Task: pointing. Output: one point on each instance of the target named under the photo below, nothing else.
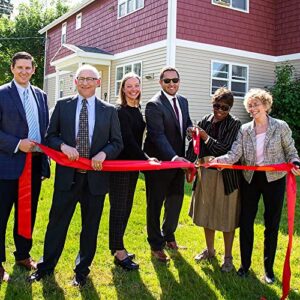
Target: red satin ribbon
(126, 165)
(24, 200)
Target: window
(61, 88)
(230, 75)
(126, 7)
(78, 21)
(64, 33)
(242, 5)
(122, 70)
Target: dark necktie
(175, 108)
(82, 141)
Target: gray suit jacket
(106, 138)
(279, 147)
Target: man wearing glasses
(167, 119)
(80, 126)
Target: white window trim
(64, 25)
(126, 14)
(77, 25)
(230, 6)
(230, 73)
(123, 66)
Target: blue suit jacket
(13, 127)
(164, 138)
(106, 137)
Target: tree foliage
(286, 97)
(21, 34)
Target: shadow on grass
(18, 288)
(231, 286)
(89, 291)
(129, 284)
(51, 289)
(190, 284)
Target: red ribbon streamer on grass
(24, 217)
(24, 199)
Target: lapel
(251, 132)
(99, 109)
(164, 100)
(183, 113)
(269, 132)
(17, 100)
(71, 118)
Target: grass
(181, 279)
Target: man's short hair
(166, 69)
(22, 55)
(87, 67)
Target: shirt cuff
(206, 141)
(174, 157)
(17, 148)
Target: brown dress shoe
(160, 255)
(27, 263)
(4, 277)
(173, 246)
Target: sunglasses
(218, 106)
(168, 80)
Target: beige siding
(195, 69)
(152, 63)
(104, 70)
(296, 64)
(68, 86)
(49, 88)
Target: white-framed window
(126, 7)
(135, 67)
(64, 33)
(78, 21)
(234, 76)
(242, 5)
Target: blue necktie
(33, 127)
(83, 141)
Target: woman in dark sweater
(215, 201)
(122, 184)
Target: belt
(81, 171)
(34, 154)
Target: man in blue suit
(167, 119)
(84, 126)
(23, 120)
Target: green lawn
(181, 279)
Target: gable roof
(71, 12)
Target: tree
(21, 34)
(286, 99)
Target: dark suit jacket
(106, 137)
(13, 127)
(164, 138)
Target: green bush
(286, 97)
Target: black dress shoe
(130, 255)
(37, 276)
(79, 280)
(242, 272)
(127, 264)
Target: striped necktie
(33, 127)
(83, 141)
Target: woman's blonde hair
(259, 94)
(122, 98)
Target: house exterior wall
(49, 88)
(152, 63)
(203, 22)
(287, 27)
(101, 28)
(195, 69)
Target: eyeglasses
(87, 79)
(218, 106)
(249, 106)
(168, 80)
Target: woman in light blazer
(263, 141)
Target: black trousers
(121, 193)
(8, 198)
(273, 197)
(166, 188)
(62, 210)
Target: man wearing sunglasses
(167, 119)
